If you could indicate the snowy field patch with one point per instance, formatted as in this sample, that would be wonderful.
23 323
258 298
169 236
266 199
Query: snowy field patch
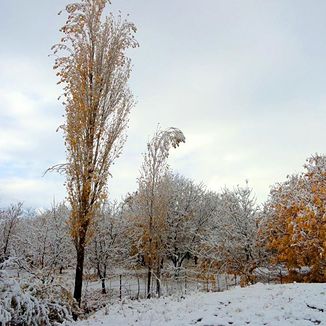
289 304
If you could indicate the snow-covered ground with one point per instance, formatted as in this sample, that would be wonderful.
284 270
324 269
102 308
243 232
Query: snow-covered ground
289 304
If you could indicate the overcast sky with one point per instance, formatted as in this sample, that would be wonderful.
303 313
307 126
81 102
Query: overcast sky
244 80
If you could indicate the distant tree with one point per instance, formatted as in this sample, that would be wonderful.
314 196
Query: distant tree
42 242
109 245
230 243
239 223
61 246
94 70
153 199
9 219
187 219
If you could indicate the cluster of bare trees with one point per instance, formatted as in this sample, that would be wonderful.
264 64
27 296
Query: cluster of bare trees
40 242
176 224
194 227
9 219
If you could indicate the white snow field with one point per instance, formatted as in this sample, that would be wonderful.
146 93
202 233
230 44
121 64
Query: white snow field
288 304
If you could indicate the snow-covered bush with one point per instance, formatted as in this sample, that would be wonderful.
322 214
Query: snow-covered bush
17 306
27 303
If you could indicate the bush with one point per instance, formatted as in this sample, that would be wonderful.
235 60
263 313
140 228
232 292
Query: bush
23 303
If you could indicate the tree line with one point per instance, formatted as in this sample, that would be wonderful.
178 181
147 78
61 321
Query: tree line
173 228
180 225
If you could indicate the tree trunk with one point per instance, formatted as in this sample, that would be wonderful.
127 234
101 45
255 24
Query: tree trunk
79 273
158 287
103 280
5 247
138 287
103 286
149 280
158 281
158 276
120 288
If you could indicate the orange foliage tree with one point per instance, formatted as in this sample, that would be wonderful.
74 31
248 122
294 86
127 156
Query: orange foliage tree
297 223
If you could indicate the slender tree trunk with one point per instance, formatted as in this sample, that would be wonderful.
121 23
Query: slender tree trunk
7 240
103 280
120 288
79 272
149 280
103 286
158 287
5 247
150 262
158 279
138 287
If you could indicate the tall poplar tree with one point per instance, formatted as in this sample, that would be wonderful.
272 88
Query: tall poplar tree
91 63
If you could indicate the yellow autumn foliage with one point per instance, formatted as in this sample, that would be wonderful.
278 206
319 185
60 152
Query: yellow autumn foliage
297 226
